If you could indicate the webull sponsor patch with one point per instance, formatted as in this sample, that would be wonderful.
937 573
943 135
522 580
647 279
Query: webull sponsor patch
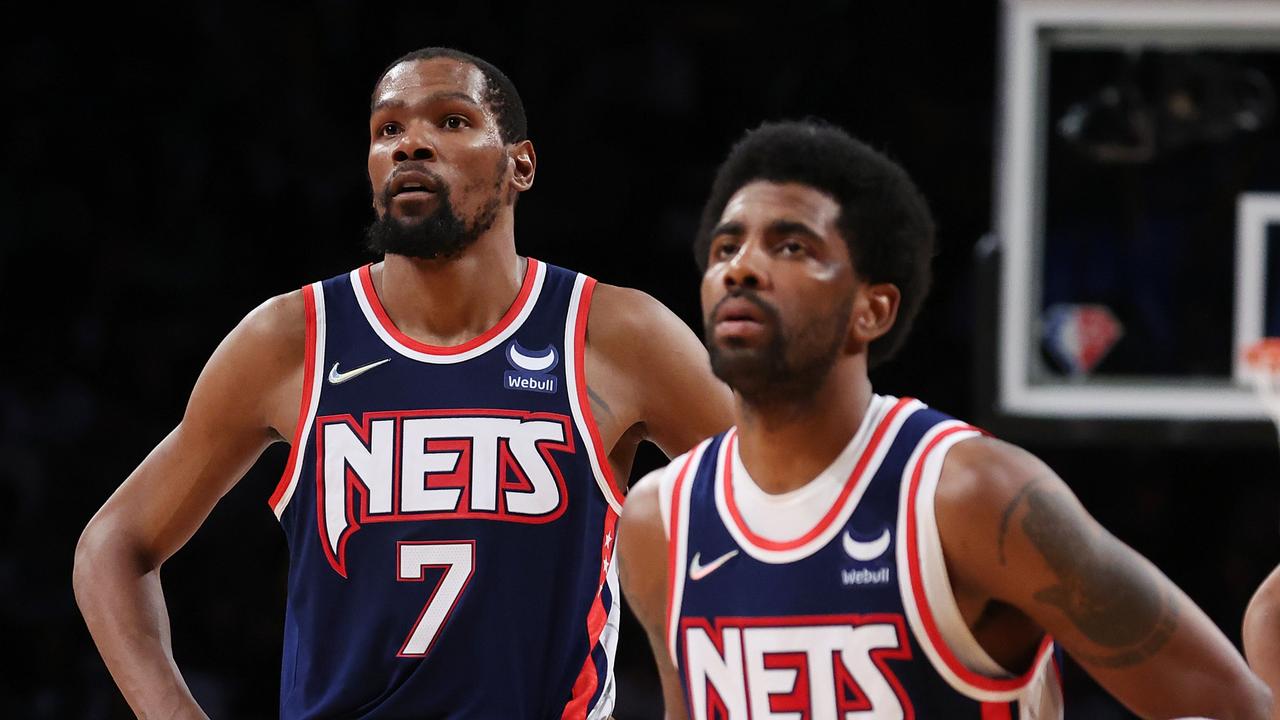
531 370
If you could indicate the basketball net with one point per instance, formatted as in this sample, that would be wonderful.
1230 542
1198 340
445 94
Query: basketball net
1262 369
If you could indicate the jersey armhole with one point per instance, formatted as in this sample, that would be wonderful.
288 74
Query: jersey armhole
575 345
312 379
931 606
674 492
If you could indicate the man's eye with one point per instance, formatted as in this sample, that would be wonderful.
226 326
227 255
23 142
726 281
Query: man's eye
792 247
388 129
725 249
456 122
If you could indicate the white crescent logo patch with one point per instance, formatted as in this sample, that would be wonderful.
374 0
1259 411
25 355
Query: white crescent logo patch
532 362
866 551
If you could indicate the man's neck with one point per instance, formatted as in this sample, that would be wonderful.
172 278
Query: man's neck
784 445
448 302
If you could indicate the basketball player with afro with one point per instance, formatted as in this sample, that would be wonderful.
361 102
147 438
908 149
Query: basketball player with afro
842 553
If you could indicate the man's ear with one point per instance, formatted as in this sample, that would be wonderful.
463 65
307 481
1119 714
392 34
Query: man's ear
875 308
525 162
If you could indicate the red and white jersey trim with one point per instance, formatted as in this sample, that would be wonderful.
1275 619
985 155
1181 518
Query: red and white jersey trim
858 462
312 379
575 348
376 315
674 488
930 604
609 641
602 631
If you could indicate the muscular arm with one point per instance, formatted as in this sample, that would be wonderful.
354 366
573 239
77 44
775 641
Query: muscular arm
642 569
237 408
1014 533
647 370
1262 634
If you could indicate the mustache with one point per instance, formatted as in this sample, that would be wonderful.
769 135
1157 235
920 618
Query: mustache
770 312
417 166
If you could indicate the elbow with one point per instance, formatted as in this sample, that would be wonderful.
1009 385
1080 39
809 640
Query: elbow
101 554
88 550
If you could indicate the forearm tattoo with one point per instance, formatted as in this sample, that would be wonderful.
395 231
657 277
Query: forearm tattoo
1114 599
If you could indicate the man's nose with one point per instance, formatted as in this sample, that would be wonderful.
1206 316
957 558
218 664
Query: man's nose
747 268
415 144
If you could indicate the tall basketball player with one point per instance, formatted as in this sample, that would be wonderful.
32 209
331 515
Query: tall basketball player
843 554
462 419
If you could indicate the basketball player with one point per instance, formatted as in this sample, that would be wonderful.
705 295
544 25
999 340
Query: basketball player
462 421
844 554
1262 634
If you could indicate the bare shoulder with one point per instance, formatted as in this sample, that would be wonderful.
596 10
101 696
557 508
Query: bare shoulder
279 323
273 334
620 314
642 532
984 472
983 486
256 372
1263 611
1269 590
643 500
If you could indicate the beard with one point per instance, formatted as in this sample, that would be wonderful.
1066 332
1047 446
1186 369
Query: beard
441 235
792 366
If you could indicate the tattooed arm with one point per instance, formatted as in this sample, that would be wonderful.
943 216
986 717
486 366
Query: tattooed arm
1262 633
1018 543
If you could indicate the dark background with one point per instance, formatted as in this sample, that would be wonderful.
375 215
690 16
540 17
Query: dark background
167 170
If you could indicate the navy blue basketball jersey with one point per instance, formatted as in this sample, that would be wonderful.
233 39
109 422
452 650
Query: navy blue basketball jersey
831 601
450 515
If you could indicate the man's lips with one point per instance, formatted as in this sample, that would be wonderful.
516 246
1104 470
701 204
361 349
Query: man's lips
412 183
737 319
738 309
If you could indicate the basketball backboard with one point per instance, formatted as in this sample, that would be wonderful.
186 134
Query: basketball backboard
1137 208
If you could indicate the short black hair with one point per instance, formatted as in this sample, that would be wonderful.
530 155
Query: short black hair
883 217
499 92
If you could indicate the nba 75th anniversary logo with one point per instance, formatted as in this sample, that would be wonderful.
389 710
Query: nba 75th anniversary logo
532 369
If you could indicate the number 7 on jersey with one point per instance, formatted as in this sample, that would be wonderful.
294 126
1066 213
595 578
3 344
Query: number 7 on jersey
459 561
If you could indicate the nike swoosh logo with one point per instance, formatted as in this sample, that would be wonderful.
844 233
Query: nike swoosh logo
866 551
337 378
697 570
